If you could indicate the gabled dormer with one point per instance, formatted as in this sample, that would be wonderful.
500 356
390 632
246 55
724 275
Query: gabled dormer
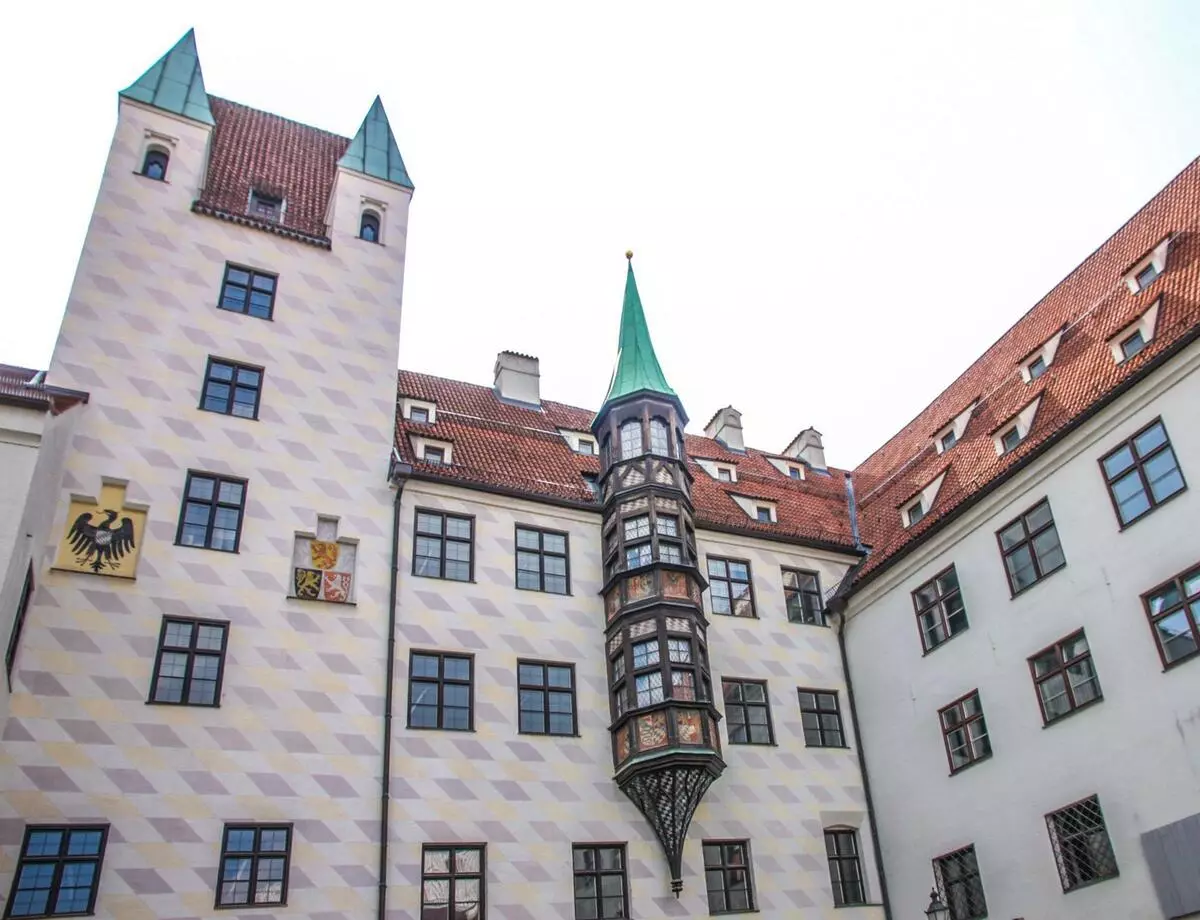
422 411
792 469
1145 270
581 442
916 507
717 469
1137 335
1016 429
763 510
1038 361
949 435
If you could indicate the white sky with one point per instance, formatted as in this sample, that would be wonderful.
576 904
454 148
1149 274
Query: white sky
835 207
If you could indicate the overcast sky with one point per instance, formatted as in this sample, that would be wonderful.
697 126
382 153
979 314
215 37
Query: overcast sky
834 207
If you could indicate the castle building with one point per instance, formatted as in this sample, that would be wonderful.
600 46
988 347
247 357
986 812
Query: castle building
295 637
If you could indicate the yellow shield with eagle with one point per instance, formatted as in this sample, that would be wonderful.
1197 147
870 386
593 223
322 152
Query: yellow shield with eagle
103 536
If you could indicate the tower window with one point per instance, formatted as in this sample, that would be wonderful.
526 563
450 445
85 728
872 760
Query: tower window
154 166
212 512
659 442
191 657
368 228
631 439
246 291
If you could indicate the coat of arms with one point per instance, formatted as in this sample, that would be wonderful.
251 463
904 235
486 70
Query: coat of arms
323 565
104 536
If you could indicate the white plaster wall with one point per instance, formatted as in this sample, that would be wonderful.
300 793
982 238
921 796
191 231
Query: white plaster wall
1138 749
20 436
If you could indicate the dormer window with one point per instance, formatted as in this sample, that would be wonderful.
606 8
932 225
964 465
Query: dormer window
1010 439
1136 336
1036 367
951 434
948 440
586 446
414 410
592 482
155 164
795 472
724 474
267 207
764 514
915 512
418 414
1146 270
435 455
1146 276
1006 438
1132 345
368 227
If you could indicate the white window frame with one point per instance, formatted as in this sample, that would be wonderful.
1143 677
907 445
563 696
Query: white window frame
1156 257
1022 422
407 405
1145 324
1046 352
419 444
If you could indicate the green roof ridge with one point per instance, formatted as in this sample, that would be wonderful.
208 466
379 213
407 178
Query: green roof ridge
373 150
175 83
637 367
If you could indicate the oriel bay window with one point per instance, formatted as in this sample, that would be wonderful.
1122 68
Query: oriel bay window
676 669
631 439
1142 473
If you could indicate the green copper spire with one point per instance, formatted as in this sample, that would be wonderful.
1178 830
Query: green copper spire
175 83
373 150
637 366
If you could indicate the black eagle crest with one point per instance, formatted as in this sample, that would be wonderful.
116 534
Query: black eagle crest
103 544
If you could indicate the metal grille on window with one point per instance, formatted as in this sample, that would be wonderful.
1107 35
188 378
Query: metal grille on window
1081 844
960 884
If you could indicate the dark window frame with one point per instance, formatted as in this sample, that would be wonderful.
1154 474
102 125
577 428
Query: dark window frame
246 288
915 512
1139 464
545 688
598 874
970 880
1183 605
939 604
191 651
24 602
214 504
837 880
234 384
266 206
1004 438
1030 536
1055 831
59 860
453 875
962 725
1128 341
541 552
470 541
371 218
729 582
759 511
434 455
813 617
948 440
725 867
254 856
155 155
819 711
412 414
1062 670
1037 367
1149 268
441 680
745 708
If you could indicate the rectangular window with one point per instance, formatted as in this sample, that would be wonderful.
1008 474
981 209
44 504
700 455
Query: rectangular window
949 439
268 207
1010 439
1142 473
845 868
941 613
1081 845
727 876
14 637
802 597
747 712
764 514
724 475
795 473
254 865
1146 276
959 882
212 512
245 290
440 691
1174 612
452 882
231 389
965 732
1065 677
546 695
601 889
418 414
58 871
587 447
442 546
434 455
822 718
1030 547
542 561
190 662
1037 367
729 587
1132 345
916 511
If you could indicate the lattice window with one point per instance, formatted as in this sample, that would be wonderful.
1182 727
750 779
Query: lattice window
960 884
1081 845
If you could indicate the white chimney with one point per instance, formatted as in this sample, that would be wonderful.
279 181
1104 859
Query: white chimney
807 446
518 378
726 427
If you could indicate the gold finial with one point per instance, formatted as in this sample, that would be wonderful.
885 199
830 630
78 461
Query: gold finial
629 254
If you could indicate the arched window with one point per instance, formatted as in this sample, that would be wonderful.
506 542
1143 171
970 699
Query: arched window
369 228
659 442
631 439
155 164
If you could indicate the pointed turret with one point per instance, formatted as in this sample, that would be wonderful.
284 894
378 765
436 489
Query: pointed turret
175 83
637 369
374 152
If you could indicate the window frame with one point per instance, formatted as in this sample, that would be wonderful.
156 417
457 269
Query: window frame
1054 832
546 689
725 867
1139 463
759 511
233 384
58 860
729 580
1062 669
214 504
441 681
1136 335
838 885
1140 273
940 605
599 874
961 725
541 553
1028 541
24 602
155 152
440 455
248 287
765 705
1184 605
915 512
265 206
369 214
1038 362
975 876
437 512
818 712
1011 430
628 448
254 855
453 875
191 651
412 415
800 592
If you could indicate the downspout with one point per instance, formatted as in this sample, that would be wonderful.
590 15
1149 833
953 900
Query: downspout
398 476
836 608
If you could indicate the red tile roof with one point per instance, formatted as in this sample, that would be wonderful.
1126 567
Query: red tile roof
516 450
1092 304
17 388
253 150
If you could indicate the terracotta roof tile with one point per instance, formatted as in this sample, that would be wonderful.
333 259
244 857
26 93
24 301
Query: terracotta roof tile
16 386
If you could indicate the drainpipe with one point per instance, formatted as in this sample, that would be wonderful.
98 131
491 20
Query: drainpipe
398 476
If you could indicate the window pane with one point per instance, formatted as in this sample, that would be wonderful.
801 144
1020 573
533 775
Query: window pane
460 528
1153 437
1020 568
1049 551
1118 462
1012 535
1175 635
554 543
1163 475
1039 517
1132 501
